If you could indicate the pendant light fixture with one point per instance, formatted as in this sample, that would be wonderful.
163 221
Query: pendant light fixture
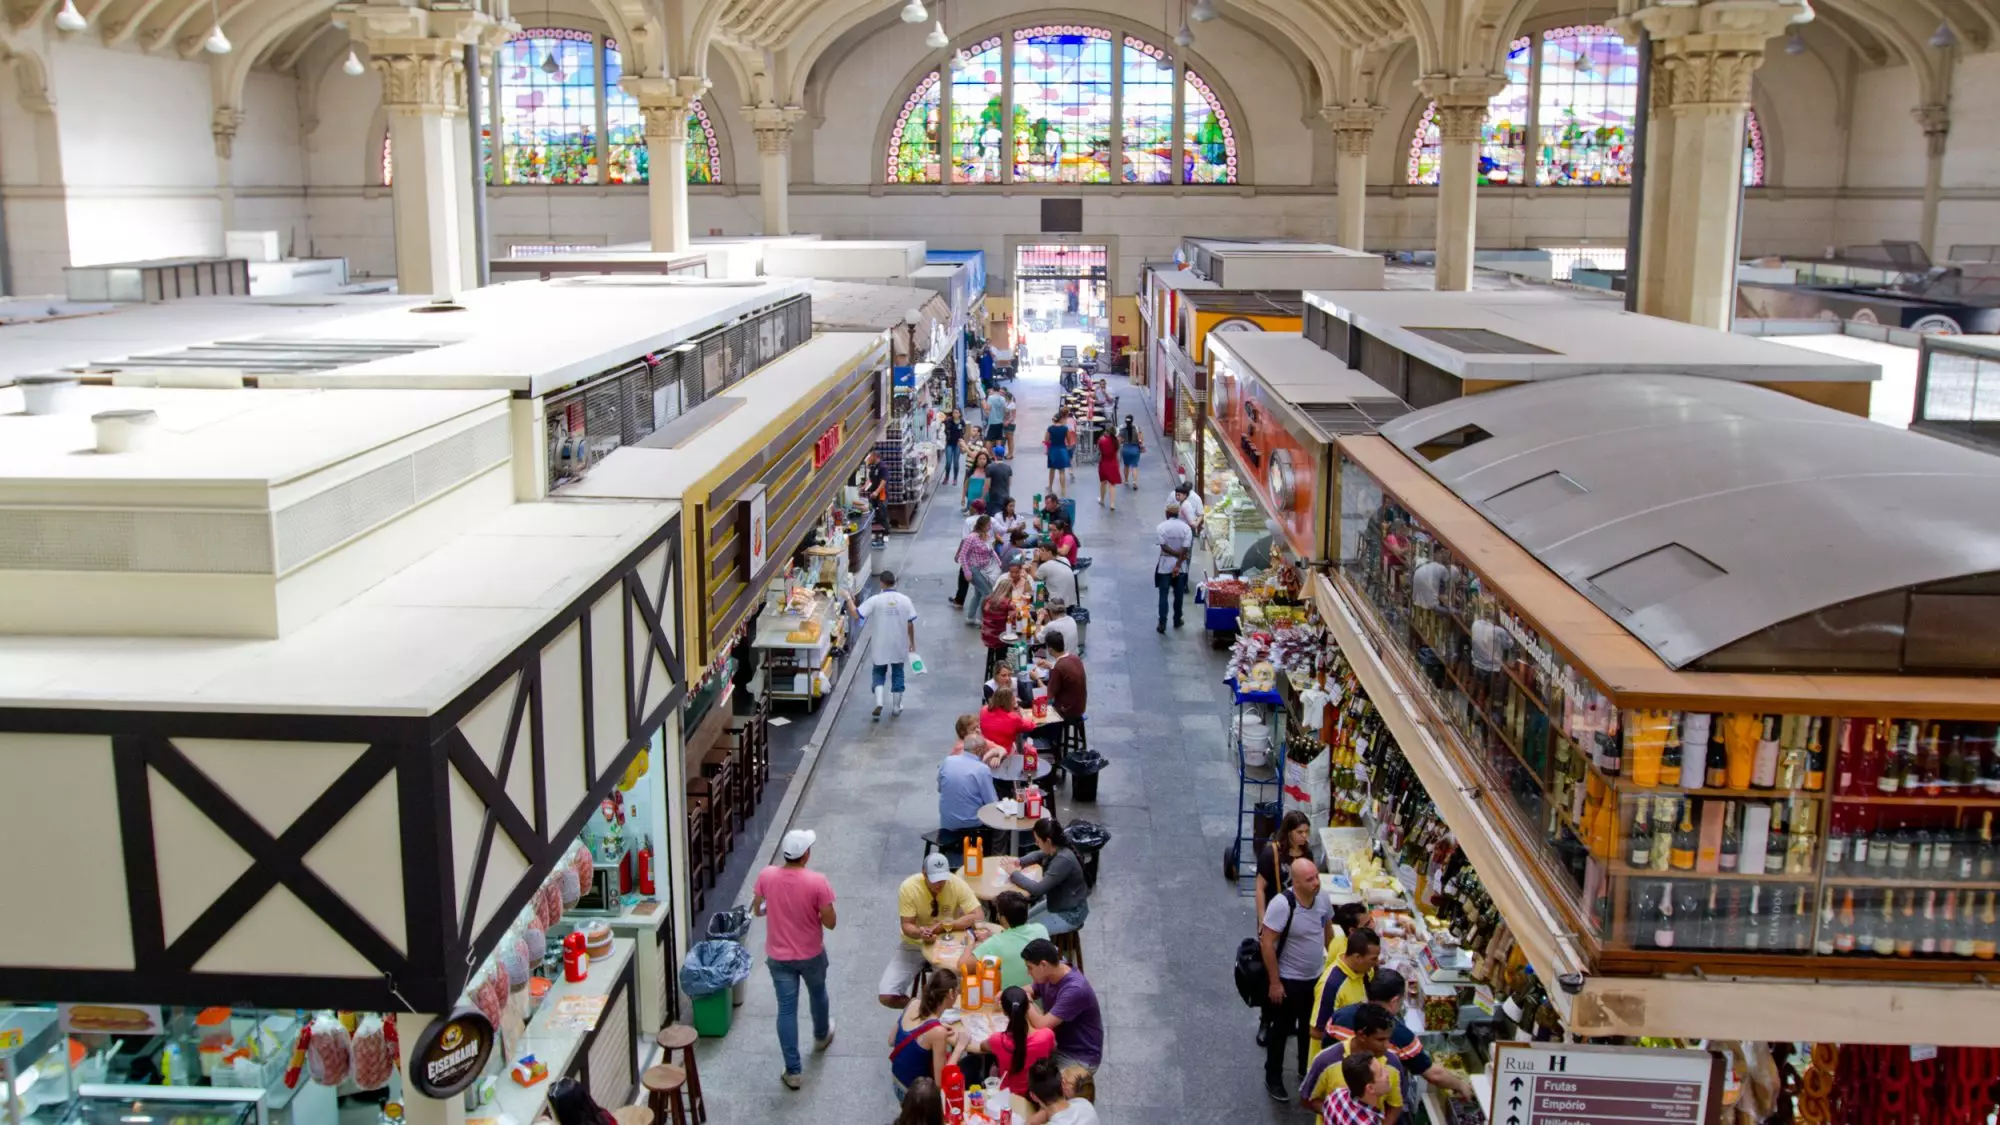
217 43
913 12
69 19
937 40
1185 36
959 63
1795 44
352 67
549 64
1203 11
1943 38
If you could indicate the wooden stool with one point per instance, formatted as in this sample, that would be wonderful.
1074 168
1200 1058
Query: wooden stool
1070 945
680 1037
632 1115
663 1085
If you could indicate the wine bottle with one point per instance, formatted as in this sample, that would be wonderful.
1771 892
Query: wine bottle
1689 919
1885 927
1663 924
1965 857
1929 782
1860 855
1670 758
1890 779
1989 857
1957 773
1927 933
1867 760
1815 755
1774 842
1792 752
1987 933
1836 842
1923 853
1857 931
1827 942
1663 833
1732 838
1717 767
1682 858
1800 938
1642 835
1842 741
1779 911
1906 926
1737 929
1764 767
1900 847
1799 847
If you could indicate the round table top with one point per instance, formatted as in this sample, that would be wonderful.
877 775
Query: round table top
1010 768
991 816
949 949
992 878
632 1115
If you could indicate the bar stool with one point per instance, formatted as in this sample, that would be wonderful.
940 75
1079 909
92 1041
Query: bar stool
1070 945
632 1115
680 1037
664 1085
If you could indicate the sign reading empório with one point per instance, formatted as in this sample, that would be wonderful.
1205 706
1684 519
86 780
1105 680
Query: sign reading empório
1571 1084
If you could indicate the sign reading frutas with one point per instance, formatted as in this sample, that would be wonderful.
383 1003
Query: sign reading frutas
451 1053
1573 1084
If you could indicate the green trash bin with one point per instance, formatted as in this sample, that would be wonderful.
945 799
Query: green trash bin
712 1014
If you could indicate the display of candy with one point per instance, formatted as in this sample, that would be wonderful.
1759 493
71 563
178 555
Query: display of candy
373 1063
581 862
537 936
572 887
549 904
489 993
329 1052
517 958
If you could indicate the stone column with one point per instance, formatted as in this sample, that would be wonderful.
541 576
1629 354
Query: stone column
665 102
1936 120
1461 120
1354 130
1703 57
223 127
774 152
420 55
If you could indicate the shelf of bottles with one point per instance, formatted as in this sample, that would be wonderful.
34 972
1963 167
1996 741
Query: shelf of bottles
1797 835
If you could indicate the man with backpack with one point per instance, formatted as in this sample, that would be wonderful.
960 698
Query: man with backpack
1297 927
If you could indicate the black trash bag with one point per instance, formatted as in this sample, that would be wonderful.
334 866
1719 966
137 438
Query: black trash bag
1079 614
1083 767
1088 838
730 925
714 966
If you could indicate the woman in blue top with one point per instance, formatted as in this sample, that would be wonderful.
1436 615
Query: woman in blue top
1130 445
1058 442
920 1045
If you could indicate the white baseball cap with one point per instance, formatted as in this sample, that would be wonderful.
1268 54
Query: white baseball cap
798 842
936 867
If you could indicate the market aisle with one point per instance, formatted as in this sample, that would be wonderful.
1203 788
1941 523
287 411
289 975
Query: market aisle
1163 924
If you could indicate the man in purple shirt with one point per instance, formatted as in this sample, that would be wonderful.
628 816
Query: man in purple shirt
1065 1002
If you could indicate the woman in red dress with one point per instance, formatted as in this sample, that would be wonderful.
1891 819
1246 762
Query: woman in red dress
1107 469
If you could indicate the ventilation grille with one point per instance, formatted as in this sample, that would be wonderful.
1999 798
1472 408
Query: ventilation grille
320 523
1480 341
611 1062
162 542
1362 416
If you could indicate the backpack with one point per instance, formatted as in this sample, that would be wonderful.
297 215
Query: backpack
1253 984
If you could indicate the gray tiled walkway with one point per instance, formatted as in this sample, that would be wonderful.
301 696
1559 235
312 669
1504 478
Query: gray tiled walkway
1164 924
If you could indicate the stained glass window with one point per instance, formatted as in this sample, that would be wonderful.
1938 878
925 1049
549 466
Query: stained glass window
1209 140
913 143
1149 114
978 115
1589 96
1753 151
626 158
549 87
1062 105
1503 149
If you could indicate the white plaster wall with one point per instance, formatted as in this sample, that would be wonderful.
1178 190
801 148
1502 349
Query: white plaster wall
1886 149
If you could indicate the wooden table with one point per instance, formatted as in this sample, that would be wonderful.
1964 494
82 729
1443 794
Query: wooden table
1010 768
993 877
991 816
950 949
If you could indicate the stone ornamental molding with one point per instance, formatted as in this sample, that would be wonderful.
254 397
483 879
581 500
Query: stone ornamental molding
1705 54
223 126
664 103
420 53
1353 126
1936 122
773 126
1460 122
421 83
1709 81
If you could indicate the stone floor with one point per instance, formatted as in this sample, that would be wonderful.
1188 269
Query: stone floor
1164 923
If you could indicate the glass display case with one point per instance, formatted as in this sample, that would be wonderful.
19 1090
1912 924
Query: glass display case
36 1075
166 1105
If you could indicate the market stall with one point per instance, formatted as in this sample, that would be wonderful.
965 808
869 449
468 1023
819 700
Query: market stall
916 323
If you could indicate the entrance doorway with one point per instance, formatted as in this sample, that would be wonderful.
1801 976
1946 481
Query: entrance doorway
1062 298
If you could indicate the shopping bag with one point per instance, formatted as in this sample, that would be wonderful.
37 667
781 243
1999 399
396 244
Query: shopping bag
916 665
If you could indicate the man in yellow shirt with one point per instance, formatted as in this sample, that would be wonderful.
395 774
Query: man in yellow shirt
1351 969
931 902
1372 1024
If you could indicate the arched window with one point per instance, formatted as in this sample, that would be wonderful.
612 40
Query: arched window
1580 107
1089 105
1503 148
563 116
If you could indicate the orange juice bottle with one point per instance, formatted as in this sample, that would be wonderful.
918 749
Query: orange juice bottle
989 980
975 858
970 991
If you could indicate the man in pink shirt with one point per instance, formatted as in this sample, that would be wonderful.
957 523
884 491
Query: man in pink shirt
797 906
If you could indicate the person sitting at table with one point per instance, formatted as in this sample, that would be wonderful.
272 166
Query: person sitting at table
1010 521
1062 895
920 1043
964 785
1002 721
1054 621
571 1103
1016 552
1050 511
931 902
923 1104
1011 907
1065 543
1056 573
1050 1097
1015 1048
1068 688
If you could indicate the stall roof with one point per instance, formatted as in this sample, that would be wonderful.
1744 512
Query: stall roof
1524 335
668 464
1182 279
852 306
1328 396
1258 302
1697 512
407 646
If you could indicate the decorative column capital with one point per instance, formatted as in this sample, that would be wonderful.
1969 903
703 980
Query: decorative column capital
1353 126
664 103
1704 54
223 127
1461 101
773 126
420 53
1936 122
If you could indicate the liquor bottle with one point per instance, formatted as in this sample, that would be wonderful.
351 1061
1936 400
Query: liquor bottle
1836 842
1859 849
1906 926
1716 767
1878 848
1842 740
1884 944
1827 941
1774 842
1958 769
1965 857
1890 779
1857 930
1815 754
1663 924
1795 934
1663 833
1739 931
1929 781
1867 760
1927 935
1682 858
1764 768
1987 932
1670 758
1989 857
1900 847
1642 835
1923 851
1792 752
1799 846
1732 838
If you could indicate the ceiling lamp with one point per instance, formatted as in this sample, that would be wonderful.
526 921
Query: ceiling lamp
937 40
1184 37
69 19
1203 11
959 63
1942 38
1795 44
352 66
549 64
217 43
913 12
